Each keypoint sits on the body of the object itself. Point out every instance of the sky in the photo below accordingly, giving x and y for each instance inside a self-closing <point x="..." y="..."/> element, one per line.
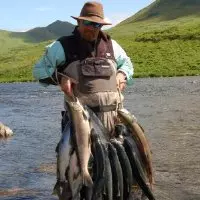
<point x="22" y="15"/>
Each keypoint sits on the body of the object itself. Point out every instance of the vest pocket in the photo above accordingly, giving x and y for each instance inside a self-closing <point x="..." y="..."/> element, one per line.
<point x="96" y="75"/>
<point x="98" y="68"/>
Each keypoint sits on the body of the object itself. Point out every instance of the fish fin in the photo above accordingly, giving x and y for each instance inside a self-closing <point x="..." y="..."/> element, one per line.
<point x="87" y="180"/>
<point x="56" y="189"/>
<point x="140" y="127"/>
<point x="57" y="147"/>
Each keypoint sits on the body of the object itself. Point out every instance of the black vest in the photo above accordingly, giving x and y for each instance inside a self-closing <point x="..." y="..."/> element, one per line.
<point x="76" y="48"/>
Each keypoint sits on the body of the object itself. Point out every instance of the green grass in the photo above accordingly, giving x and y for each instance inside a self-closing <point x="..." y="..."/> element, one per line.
<point x="166" y="48"/>
<point x="165" y="10"/>
<point x="165" y="58"/>
<point x="16" y="66"/>
<point x="7" y="43"/>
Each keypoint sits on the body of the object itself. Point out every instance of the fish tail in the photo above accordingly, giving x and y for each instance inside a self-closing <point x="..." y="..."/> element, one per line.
<point x="151" y="181"/>
<point x="87" y="180"/>
<point x="56" y="189"/>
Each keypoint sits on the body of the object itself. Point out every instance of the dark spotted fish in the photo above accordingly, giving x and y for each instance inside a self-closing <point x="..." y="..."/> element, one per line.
<point x="126" y="168"/>
<point x="117" y="174"/>
<point x="99" y="165"/>
<point x="137" y="170"/>
<point x="142" y="143"/>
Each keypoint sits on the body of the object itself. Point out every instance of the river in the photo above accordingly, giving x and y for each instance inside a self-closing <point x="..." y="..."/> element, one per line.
<point x="167" y="108"/>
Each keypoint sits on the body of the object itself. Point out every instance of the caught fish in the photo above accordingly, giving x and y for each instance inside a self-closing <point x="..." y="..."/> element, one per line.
<point x="63" y="149"/>
<point x="141" y="140"/>
<point x="74" y="176"/>
<point x="126" y="168"/>
<point x="117" y="174"/>
<point x="108" y="193"/>
<point x="99" y="165"/>
<point x="86" y="193"/>
<point x="64" y="152"/>
<point x="81" y="125"/>
<point x="97" y="125"/>
<point x="137" y="170"/>
<point x="99" y="139"/>
<point x="120" y="131"/>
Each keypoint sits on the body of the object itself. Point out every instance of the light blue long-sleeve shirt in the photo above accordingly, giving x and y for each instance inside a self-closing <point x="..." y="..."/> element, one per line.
<point x="55" y="56"/>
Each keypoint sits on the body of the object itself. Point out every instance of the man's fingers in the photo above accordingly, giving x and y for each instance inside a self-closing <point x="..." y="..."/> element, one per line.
<point x="66" y="86"/>
<point x="121" y="85"/>
<point x="121" y="82"/>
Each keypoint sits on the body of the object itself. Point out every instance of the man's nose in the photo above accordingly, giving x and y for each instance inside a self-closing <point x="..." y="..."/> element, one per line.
<point x="91" y="27"/>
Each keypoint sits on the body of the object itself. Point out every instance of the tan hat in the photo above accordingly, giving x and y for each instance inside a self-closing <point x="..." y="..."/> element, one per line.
<point x="93" y="11"/>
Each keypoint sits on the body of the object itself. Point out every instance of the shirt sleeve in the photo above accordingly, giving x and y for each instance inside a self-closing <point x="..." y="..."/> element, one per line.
<point x="124" y="63"/>
<point x="52" y="58"/>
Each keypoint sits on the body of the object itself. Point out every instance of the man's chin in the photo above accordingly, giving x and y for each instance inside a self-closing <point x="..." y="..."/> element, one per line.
<point x="90" y="39"/>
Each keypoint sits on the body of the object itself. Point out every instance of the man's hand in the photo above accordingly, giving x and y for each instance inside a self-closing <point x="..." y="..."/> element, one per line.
<point x="66" y="86"/>
<point x="121" y="80"/>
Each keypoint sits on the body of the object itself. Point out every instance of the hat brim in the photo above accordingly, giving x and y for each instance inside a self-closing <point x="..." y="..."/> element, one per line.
<point x="93" y="19"/>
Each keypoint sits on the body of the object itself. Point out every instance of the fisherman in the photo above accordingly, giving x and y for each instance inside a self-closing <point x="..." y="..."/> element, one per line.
<point x="88" y="64"/>
<point x="104" y="64"/>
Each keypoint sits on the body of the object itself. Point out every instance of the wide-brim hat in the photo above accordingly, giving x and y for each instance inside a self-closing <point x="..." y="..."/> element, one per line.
<point x="93" y="11"/>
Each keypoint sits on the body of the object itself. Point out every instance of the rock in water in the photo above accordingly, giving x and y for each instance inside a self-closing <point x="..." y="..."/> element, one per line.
<point x="5" y="131"/>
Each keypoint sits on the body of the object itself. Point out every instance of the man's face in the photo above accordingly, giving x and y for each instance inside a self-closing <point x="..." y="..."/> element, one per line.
<point x="89" y="30"/>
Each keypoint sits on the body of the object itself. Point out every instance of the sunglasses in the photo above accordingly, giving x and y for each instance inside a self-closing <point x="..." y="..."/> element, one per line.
<point x="94" y="24"/>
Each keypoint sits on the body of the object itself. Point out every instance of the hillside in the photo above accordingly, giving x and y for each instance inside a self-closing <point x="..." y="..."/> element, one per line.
<point x="40" y="34"/>
<point x="16" y="64"/>
<point x="7" y="42"/>
<point x="162" y="44"/>
<point x="10" y="40"/>
<point x="164" y="10"/>
<point x="20" y="50"/>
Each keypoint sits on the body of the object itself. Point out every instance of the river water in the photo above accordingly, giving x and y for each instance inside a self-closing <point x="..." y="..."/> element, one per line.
<point x="167" y="108"/>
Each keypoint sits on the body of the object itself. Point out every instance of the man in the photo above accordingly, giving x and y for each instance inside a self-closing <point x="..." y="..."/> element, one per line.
<point x="109" y="66"/>
<point x="89" y="65"/>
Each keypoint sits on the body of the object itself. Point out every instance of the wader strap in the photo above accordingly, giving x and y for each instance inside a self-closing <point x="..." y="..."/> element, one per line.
<point x="106" y="108"/>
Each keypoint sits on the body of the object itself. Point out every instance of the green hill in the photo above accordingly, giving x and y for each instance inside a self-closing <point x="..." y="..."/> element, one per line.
<point x="10" y="40"/>
<point x="20" y="50"/>
<point x="50" y="32"/>
<point x="16" y="65"/>
<point x="164" y="10"/>
<point x="162" y="39"/>
<point x="7" y="42"/>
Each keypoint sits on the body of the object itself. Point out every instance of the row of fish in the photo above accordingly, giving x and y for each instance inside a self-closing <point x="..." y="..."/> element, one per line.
<point x="91" y="166"/>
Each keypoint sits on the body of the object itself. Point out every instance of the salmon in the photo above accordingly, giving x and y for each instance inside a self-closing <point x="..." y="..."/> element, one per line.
<point x="141" y="140"/>
<point x="82" y="131"/>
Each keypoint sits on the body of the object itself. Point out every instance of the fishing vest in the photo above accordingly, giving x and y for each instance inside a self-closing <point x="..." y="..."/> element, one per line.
<point x="93" y="66"/>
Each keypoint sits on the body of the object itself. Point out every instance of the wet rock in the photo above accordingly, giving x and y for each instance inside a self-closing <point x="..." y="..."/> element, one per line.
<point x="49" y="168"/>
<point x="5" y="131"/>
<point x="16" y="192"/>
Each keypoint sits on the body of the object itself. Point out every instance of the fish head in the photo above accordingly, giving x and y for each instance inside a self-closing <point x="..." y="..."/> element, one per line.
<point x="120" y="130"/>
<point x="126" y="116"/>
<point x="86" y="114"/>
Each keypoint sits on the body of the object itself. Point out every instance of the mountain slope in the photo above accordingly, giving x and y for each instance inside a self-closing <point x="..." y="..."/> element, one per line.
<point x="40" y="34"/>
<point x="7" y="42"/>
<point x="163" y="10"/>
<point x="158" y="45"/>
<point x="163" y="39"/>
<point x="163" y="19"/>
